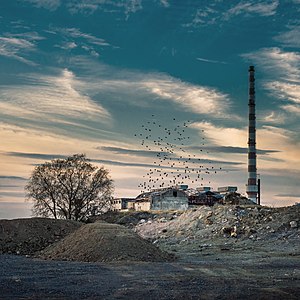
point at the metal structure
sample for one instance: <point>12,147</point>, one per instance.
<point>252,188</point>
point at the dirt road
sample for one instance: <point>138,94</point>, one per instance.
<point>210,276</point>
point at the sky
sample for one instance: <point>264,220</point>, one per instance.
<point>83,76</point>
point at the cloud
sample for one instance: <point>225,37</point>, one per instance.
<point>274,117</point>
<point>48,4</point>
<point>12,178</point>
<point>80,40</point>
<point>288,195</point>
<point>35,155</point>
<point>221,11</point>
<point>165,3</point>
<point>90,6</point>
<point>295,109</point>
<point>211,61</point>
<point>76,33</point>
<point>261,8</point>
<point>281,144</point>
<point>13,47</point>
<point>205,16</point>
<point>122,151</point>
<point>284,90</point>
<point>276,62</point>
<point>221,136</point>
<point>145,153</point>
<point>198,99</point>
<point>29,36</point>
<point>144,89</point>
<point>285,67</point>
<point>231,150</point>
<point>68,45</point>
<point>49,96</point>
<point>117,150</point>
<point>290,38</point>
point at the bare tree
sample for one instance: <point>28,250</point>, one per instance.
<point>70,188</point>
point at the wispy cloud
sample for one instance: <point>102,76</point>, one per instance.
<point>165,3</point>
<point>220,11</point>
<point>295,109</point>
<point>261,8</point>
<point>15,48</point>
<point>117,150</point>
<point>41,156</point>
<point>29,36</point>
<point>144,153</point>
<point>290,38</point>
<point>281,142</point>
<point>288,195</point>
<point>12,178</point>
<point>48,4</point>
<point>276,62</point>
<point>198,99</point>
<point>46,96</point>
<point>90,6</point>
<point>211,61</point>
<point>142,89</point>
<point>205,16</point>
<point>75,38</point>
<point>282,73</point>
<point>274,117</point>
<point>230,149</point>
<point>35,155</point>
<point>76,33</point>
<point>285,90</point>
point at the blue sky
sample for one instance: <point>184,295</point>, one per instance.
<point>84,76</point>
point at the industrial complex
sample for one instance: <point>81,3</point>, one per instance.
<point>180,196</point>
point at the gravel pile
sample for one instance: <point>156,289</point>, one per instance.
<point>103,242</point>
<point>26,236</point>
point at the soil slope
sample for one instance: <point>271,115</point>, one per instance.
<point>103,242</point>
<point>26,236</point>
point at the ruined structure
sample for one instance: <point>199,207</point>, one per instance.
<point>165,199</point>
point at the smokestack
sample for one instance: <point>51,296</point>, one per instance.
<point>252,187</point>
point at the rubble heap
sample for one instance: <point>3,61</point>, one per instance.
<point>220,225</point>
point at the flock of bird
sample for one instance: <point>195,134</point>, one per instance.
<point>174,164</point>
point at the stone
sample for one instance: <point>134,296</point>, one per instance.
<point>293,224</point>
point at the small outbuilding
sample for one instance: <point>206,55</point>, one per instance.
<point>165,199</point>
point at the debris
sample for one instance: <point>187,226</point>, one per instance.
<point>293,224</point>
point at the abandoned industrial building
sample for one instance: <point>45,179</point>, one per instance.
<point>173,198</point>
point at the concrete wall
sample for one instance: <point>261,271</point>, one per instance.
<point>142,205</point>
<point>172,199</point>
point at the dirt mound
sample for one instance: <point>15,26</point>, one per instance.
<point>104,242</point>
<point>26,236</point>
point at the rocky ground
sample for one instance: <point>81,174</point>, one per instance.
<point>222,252</point>
<point>225,228</point>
